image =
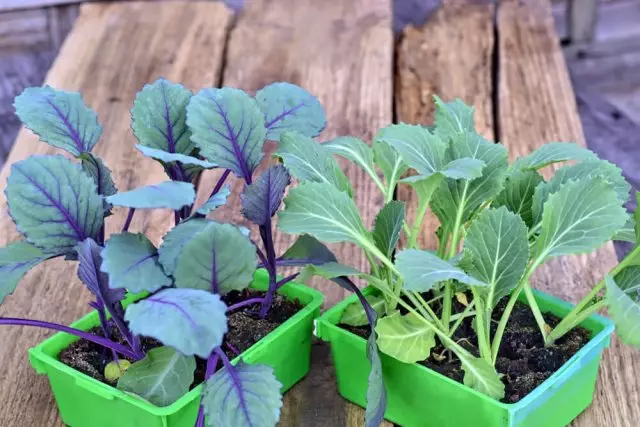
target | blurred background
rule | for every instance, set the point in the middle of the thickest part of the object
(600, 40)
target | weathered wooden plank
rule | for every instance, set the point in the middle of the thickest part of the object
(537, 105)
(450, 56)
(94, 62)
(342, 52)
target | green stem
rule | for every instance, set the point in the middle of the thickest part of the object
(497, 338)
(537, 313)
(415, 231)
(560, 330)
(534, 229)
(424, 310)
(461, 317)
(484, 344)
(427, 307)
(372, 262)
(446, 305)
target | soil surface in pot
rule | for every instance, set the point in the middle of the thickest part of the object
(522, 358)
(245, 329)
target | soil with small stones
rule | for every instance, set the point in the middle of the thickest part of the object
(523, 359)
(245, 329)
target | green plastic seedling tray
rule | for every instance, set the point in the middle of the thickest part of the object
(420, 397)
(86, 402)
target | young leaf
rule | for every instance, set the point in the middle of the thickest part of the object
(59, 118)
(579, 218)
(53, 202)
(215, 201)
(175, 240)
(517, 195)
(228, 127)
(159, 117)
(405, 338)
(166, 157)
(191, 320)
(15, 261)
(288, 107)
(388, 227)
(323, 211)
(218, 259)
(624, 304)
(355, 314)
(389, 161)
(581, 171)
(421, 270)
(481, 376)
(168, 194)
(261, 200)
(553, 152)
(460, 198)
(242, 396)
(354, 150)
(453, 118)
(162, 377)
(131, 261)
(96, 169)
(309, 250)
(627, 232)
(309, 161)
(499, 247)
(90, 261)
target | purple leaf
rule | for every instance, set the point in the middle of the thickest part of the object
(89, 272)
(261, 200)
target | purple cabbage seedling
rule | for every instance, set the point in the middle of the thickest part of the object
(498, 224)
(60, 207)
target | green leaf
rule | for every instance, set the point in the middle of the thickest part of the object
(354, 150)
(59, 118)
(421, 270)
(166, 157)
(418, 148)
(499, 247)
(405, 338)
(579, 218)
(229, 129)
(162, 377)
(389, 161)
(461, 198)
(309, 161)
(354, 314)
(627, 232)
(636, 218)
(581, 171)
(481, 376)
(15, 261)
(190, 320)
(624, 305)
(175, 240)
(329, 271)
(323, 211)
(247, 397)
(100, 173)
(158, 117)
(388, 227)
(288, 107)
(376, 392)
(215, 201)
(310, 249)
(131, 261)
(453, 118)
(465, 168)
(168, 194)
(553, 152)
(53, 203)
(518, 192)
(219, 259)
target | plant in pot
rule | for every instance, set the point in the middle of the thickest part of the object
(166, 318)
(461, 310)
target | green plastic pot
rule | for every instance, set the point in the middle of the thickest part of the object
(86, 402)
(419, 397)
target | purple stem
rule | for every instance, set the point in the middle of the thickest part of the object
(233, 349)
(267, 241)
(127, 223)
(245, 303)
(286, 280)
(99, 306)
(220, 182)
(237, 384)
(176, 217)
(212, 364)
(77, 332)
(293, 262)
(132, 340)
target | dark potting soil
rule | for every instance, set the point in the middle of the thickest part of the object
(523, 359)
(245, 329)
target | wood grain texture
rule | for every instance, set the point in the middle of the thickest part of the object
(94, 62)
(537, 105)
(450, 56)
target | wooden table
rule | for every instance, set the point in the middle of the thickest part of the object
(503, 58)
